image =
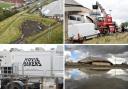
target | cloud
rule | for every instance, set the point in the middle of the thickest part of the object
(100, 50)
(67, 54)
(119, 8)
(122, 55)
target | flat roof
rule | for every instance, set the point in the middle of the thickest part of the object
(53, 9)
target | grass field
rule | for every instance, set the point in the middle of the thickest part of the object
(10, 29)
(117, 38)
(5, 5)
(53, 35)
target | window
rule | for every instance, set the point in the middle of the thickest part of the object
(78, 19)
(100, 19)
(5, 71)
(72, 18)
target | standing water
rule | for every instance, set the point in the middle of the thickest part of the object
(96, 79)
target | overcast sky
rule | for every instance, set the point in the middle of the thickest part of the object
(26, 47)
(110, 51)
(119, 8)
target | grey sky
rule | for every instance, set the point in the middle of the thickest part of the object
(98, 50)
(119, 8)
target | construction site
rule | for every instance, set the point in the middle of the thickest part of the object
(31, 21)
(93, 25)
(34, 69)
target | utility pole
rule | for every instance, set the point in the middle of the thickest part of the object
(49, 32)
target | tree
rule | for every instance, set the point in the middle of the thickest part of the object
(124, 26)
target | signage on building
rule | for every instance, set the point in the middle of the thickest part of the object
(32, 62)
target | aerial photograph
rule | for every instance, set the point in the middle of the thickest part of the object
(96, 67)
(96, 21)
(31, 21)
(26, 67)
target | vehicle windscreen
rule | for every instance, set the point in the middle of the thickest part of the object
(72, 18)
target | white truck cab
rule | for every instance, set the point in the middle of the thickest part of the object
(74, 19)
(80, 27)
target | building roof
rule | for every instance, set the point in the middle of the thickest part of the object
(94, 59)
(72, 2)
(72, 5)
(53, 9)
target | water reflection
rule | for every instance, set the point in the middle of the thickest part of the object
(77, 74)
(96, 79)
(118, 73)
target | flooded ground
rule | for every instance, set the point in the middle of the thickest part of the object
(81, 78)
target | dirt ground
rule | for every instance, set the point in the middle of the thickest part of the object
(96, 83)
(30, 27)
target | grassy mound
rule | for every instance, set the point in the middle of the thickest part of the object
(10, 28)
(50, 35)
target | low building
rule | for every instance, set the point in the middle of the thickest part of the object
(101, 63)
(53, 10)
(96, 61)
(16, 2)
(73, 7)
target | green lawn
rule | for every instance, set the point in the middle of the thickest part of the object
(10, 29)
(5, 5)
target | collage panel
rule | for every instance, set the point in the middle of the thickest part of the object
(96, 22)
(31, 21)
(96, 66)
(63, 44)
(31, 67)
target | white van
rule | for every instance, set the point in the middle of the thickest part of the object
(74, 19)
(82, 31)
(80, 28)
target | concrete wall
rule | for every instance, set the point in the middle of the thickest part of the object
(101, 63)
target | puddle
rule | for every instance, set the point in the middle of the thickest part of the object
(75, 74)
(91, 79)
